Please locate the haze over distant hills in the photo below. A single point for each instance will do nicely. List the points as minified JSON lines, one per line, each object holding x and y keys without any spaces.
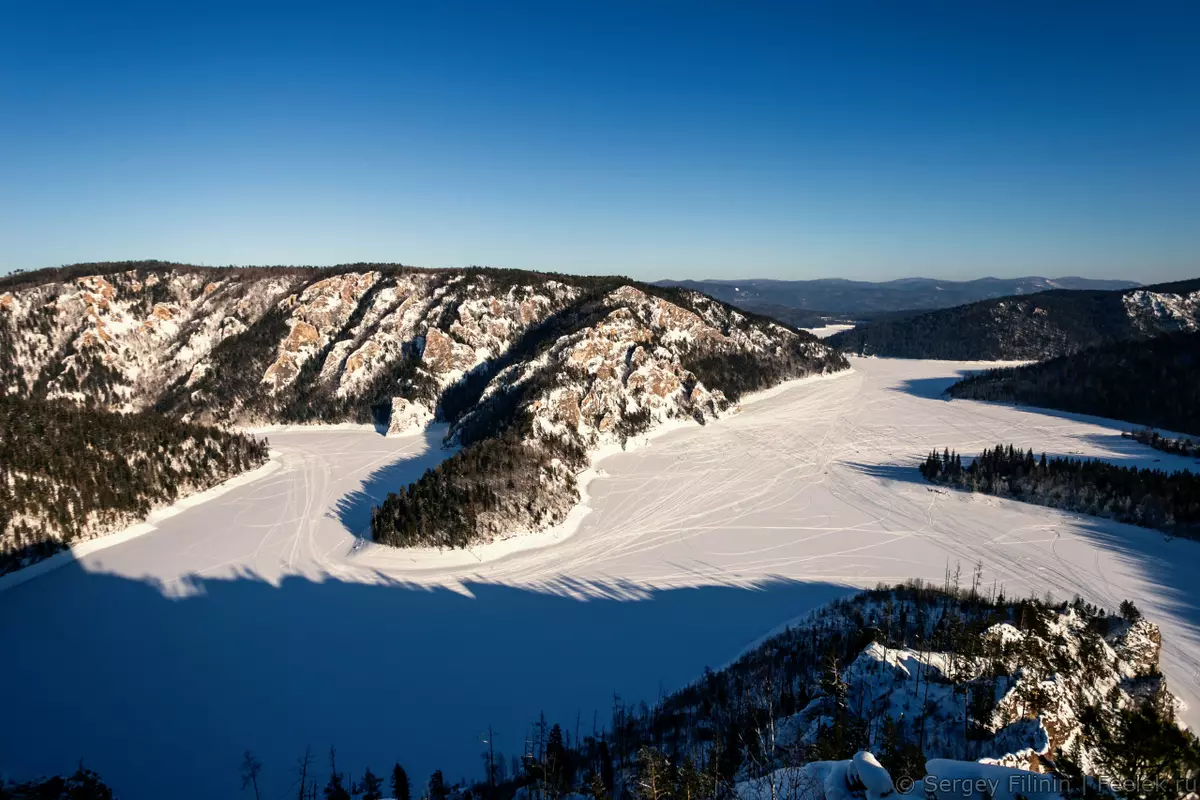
{"x":813,"y":301}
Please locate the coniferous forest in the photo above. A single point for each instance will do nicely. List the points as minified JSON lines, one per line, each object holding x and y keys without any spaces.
{"x":1184,"y":446}
{"x":1024,"y":327}
{"x":68,"y":472}
{"x":1152,"y":383}
{"x":1166,"y":501}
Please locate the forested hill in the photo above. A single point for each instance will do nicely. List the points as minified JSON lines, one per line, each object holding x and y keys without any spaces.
{"x":1032,"y":327}
{"x":607,"y":368}
{"x":532,"y":371}
{"x":1154,"y":383}
{"x":69,"y":473}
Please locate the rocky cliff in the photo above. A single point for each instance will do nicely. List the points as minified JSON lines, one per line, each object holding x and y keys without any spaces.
{"x":557,"y":364}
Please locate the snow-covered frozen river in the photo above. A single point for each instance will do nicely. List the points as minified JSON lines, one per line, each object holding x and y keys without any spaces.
{"x":261,"y":620}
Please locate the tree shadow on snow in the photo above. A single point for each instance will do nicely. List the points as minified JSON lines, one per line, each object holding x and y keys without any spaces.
{"x":932,"y":388}
{"x":162,"y":694}
{"x":893,"y":472}
{"x":353,"y":510}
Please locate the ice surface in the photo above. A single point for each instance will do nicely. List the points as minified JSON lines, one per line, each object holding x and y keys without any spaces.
{"x":825,"y":331}
{"x":261,"y":620}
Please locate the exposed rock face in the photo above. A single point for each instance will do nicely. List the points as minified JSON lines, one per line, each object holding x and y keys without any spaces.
{"x":407,"y":417}
{"x":1032,"y":688}
{"x":119,"y":339}
{"x":126,"y":339}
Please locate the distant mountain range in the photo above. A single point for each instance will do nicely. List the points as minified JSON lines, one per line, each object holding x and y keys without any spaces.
{"x":1033,"y":327}
{"x":810,"y":303}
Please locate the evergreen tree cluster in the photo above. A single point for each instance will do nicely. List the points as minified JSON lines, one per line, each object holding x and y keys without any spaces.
{"x":82,"y":785}
{"x":1167,"y":501}
{"x":1024,"y":327}
{"x":507,"y":476}
{"x":1184,"y":446}
{"x":1150,"y":383}
{"x":68,"y":472}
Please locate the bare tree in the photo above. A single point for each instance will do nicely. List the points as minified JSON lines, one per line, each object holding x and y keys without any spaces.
{"x":251,"y":766}
{"x":302,"y":765}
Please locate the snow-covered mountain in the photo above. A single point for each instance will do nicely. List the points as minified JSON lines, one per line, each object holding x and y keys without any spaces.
{"x":562,"y":364}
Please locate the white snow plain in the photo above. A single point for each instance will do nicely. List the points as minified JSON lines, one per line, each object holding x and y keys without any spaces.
{"x":262,"y":620}
{"x":825,"y":331}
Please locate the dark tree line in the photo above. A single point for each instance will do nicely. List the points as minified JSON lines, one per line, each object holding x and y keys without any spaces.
{"x":67,"y":471}
{"x":1167,"y":501}
{"x":82,"y":785}
{"x":1150,"y":383}
{"x":1185,"y":446}
{"x":1033,"y":327}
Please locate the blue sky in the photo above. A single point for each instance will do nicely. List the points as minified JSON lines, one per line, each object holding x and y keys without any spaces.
{"x":655,"y":139}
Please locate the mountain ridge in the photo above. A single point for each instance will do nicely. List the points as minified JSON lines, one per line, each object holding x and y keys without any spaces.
{"x":1033,"y":327}
{"x":841,"y":299}
{"x":537,"y":370}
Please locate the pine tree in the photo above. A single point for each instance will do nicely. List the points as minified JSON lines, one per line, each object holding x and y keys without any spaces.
{"x":1129,"y":611}
{"x":372,"y":786}
{"x":399,"y":783}
{"x":334,"y":790}
{"x":437,"y":786}
{"x":557,"y":764}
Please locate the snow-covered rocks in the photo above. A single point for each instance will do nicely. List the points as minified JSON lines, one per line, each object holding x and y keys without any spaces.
{"x":408,"y":417}
{"x":1163,"y":310}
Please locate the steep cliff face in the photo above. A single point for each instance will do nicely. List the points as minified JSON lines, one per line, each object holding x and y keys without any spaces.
{"x":559,"y":365}
{"x":115,"y":340}
{"x":1027,"y":692}
{"x":262,"y":346}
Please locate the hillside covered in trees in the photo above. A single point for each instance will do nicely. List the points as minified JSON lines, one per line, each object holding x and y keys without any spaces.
{"x":69,"y":473}
{"x":1184,"y":446}
{"x":1031,"y":327}
{"x":1167,"y":501}
{"x":1151,"y":383}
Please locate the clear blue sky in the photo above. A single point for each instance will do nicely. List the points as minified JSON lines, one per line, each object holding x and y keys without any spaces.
{"x":690,"y":139}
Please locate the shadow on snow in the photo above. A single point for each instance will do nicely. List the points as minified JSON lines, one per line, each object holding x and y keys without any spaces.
{"x":354,"y":509}
{"x":162,"y":695}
